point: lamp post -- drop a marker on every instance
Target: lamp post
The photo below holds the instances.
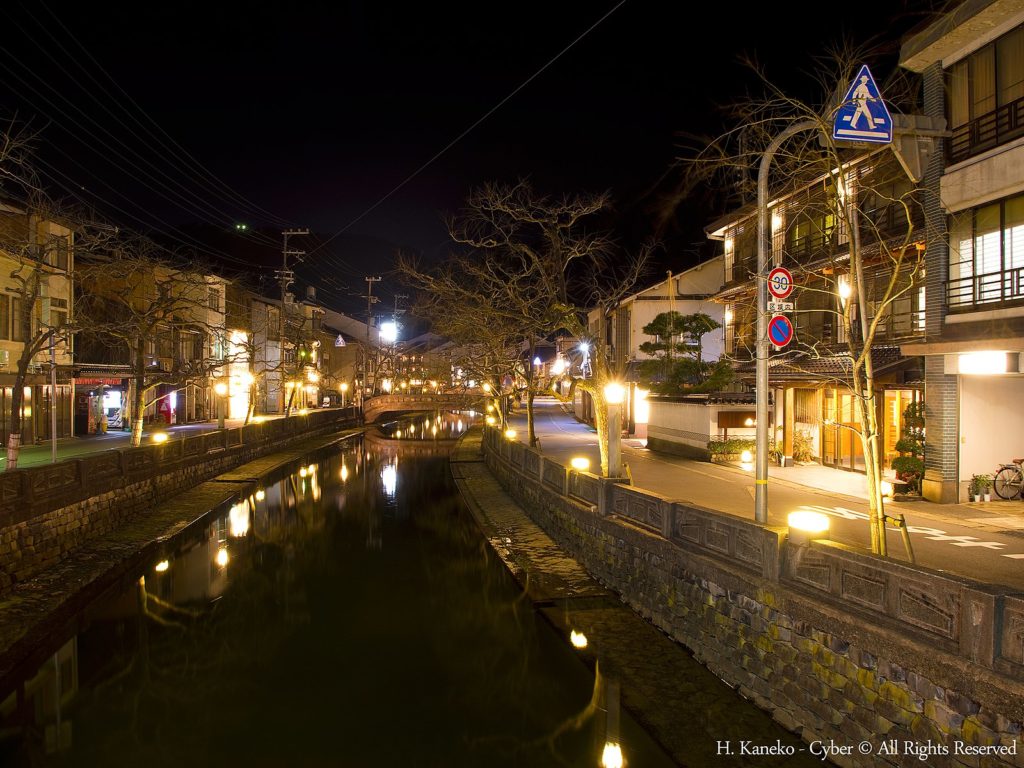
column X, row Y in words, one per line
column 220, row 389
column 613, row 394
column 761, row 372
column 343, row 387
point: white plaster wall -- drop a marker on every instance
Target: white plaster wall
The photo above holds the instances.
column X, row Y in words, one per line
column 991, row 423
column 705, row 278
column 987, row 177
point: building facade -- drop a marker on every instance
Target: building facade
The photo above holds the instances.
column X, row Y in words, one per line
column 971, row 61
column 816, row 413
column 36, row 296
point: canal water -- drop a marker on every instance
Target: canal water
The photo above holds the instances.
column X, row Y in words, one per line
column 344, row 612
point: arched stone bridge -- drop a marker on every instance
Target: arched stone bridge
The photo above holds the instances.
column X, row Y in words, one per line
column 375, row 407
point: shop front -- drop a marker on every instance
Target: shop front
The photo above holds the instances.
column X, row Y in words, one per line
column 100, row 404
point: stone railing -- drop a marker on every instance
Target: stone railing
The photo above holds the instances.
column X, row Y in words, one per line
column 834, row 642
column 46, row 511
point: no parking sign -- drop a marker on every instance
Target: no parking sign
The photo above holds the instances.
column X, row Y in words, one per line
column 780, row 330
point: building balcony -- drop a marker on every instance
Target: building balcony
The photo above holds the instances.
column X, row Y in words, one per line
column 988, row 291
column 990, row 130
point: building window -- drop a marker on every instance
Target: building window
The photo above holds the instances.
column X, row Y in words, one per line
column 273, row 324
column 214, row 301
column 17, row 329
column 986, row 254
column 5, row 316
column 986, row 96
column 57, row 252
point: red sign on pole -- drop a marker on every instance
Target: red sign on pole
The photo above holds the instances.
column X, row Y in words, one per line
column 780, row 283
column 780, row 330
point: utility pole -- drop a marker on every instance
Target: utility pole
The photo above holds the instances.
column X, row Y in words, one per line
column 370, row 301
column 286, row 277
column 398, row 311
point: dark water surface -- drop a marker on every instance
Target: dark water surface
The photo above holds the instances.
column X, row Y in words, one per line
column 346, row 612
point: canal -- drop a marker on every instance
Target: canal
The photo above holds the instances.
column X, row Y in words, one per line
column 345, row 612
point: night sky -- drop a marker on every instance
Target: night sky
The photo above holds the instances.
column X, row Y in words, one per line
column 184, row 118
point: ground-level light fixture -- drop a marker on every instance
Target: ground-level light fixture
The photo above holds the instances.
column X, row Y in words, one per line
column 162, row 566
column 158, row 437
column 580, row 463
column 805, row 525
column 611, row 756
column 510, row 434
column 222, row 557
column 887, row 489
column 747, row 460
column 578, row 639
column 490, row 421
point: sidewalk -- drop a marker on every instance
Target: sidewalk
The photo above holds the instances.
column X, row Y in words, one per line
column 72, row 447
column 811, row 476
column 981, row 541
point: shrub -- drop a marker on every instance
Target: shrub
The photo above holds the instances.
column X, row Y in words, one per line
column 733, row 446
column 803, row 448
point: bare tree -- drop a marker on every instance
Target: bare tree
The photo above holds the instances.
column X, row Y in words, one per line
column 847, row 221
column 148, row 307
column 533, row 269
column 35, row 257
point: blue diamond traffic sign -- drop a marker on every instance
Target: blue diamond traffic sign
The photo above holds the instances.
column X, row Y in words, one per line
column 863, row 115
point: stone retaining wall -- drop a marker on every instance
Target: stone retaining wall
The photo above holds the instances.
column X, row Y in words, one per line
column 47, row 511
column 876, row 659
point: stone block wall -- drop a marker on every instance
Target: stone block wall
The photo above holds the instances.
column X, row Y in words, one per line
column 886, row 662
column 47, row 511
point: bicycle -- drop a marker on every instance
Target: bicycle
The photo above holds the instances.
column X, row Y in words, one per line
column 1009, row 480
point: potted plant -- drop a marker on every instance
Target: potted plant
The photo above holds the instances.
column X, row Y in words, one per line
column 986, row 486
column 980, row 487
column 909, row 465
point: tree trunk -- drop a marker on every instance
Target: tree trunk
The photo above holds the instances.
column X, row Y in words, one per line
column 14, row 437
column 138, row 412
column 531, row 388
column 13, row 449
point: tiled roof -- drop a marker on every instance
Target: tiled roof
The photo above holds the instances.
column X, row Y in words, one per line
column 804, row 366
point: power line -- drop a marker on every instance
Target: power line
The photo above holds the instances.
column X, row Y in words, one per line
column 486, row 115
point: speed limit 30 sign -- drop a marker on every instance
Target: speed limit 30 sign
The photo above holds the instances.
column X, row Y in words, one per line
column 780, row 283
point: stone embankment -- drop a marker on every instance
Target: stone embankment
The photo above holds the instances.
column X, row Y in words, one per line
column 47, row 604
column 870, row 661
column 48, row 511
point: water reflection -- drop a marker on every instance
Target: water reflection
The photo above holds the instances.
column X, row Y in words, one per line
column 347, row 604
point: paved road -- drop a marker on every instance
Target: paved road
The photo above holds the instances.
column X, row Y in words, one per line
column 979, row 541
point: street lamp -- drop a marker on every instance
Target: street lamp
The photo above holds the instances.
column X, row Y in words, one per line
column 764, row 245
column 220, row 389
column 613, row 395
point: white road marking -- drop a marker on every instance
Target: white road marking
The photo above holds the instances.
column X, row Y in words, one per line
column 933, row 534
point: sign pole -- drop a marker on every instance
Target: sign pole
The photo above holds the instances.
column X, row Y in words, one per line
column 761, row 376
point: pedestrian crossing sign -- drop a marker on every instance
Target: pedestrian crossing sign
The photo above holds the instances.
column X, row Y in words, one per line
column 862, row 115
